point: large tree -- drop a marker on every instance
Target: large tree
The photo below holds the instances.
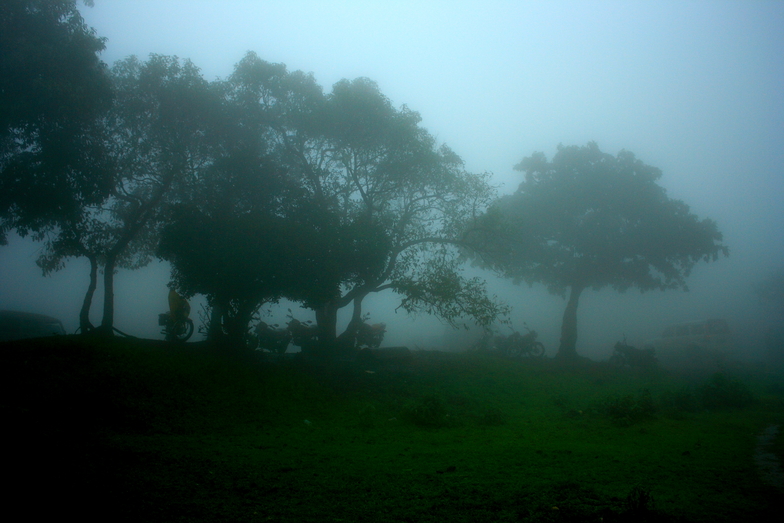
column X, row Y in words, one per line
column 383, row 178
column 588, row 219
column 53, row 88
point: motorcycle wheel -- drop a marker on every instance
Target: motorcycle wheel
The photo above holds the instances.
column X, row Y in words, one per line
column 180, row 330
column 537, row 349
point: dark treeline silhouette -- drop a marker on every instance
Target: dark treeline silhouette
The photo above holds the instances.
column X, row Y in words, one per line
column 263, row 186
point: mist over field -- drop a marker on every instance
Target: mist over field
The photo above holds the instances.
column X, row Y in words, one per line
column 695, row 89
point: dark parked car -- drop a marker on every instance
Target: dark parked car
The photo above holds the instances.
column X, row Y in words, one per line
column 16, row 325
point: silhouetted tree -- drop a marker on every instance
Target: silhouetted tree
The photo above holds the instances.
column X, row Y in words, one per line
column 587, row 219
column 53, row 89
column 382, row 178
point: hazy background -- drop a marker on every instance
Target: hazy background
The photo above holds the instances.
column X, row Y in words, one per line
column 694, row 88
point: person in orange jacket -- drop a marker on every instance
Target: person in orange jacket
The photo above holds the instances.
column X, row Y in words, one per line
column 179, row 308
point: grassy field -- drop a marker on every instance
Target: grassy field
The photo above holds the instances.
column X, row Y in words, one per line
column 135, row 430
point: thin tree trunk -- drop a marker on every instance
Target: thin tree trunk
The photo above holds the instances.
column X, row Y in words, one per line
column 84, row 314
column 348, row 339
column 568, row 347
column 107, row 322
column 327, row 322
column 215, row 332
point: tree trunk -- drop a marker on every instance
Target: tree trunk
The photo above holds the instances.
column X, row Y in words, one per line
column 568, row 347
column 84, row 314
column 348, row 338
column 237, row 327
column 107, row 322
column 215, row 332
column 327, row 322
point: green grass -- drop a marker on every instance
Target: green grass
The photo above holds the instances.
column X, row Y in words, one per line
column 167, row 433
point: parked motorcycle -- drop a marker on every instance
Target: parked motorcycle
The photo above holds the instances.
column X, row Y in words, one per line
column 175, row 328
column 303, row 334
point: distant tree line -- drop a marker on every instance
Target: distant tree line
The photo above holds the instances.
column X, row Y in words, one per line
column 262, row 186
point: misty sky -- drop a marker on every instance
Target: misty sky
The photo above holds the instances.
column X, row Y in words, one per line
column 694, row 88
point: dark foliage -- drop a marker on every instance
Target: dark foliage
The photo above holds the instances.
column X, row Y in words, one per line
column 394, row 201
column 587, row 219
column 52, row 88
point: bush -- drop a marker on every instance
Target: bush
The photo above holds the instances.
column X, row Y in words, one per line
column 627, row 409
column 723, row 392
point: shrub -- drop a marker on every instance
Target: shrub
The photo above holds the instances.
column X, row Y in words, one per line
column 723, row 392
column 628, row 409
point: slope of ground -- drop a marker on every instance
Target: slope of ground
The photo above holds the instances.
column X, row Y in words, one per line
column 161, row 432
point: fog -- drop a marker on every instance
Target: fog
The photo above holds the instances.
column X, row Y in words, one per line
column 693, row 88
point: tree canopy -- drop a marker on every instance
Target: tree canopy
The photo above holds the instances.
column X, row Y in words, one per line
column 395, row 200
column 53, row 87
column 587, row 219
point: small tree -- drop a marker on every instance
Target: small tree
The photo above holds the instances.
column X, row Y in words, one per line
column 587, row 219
